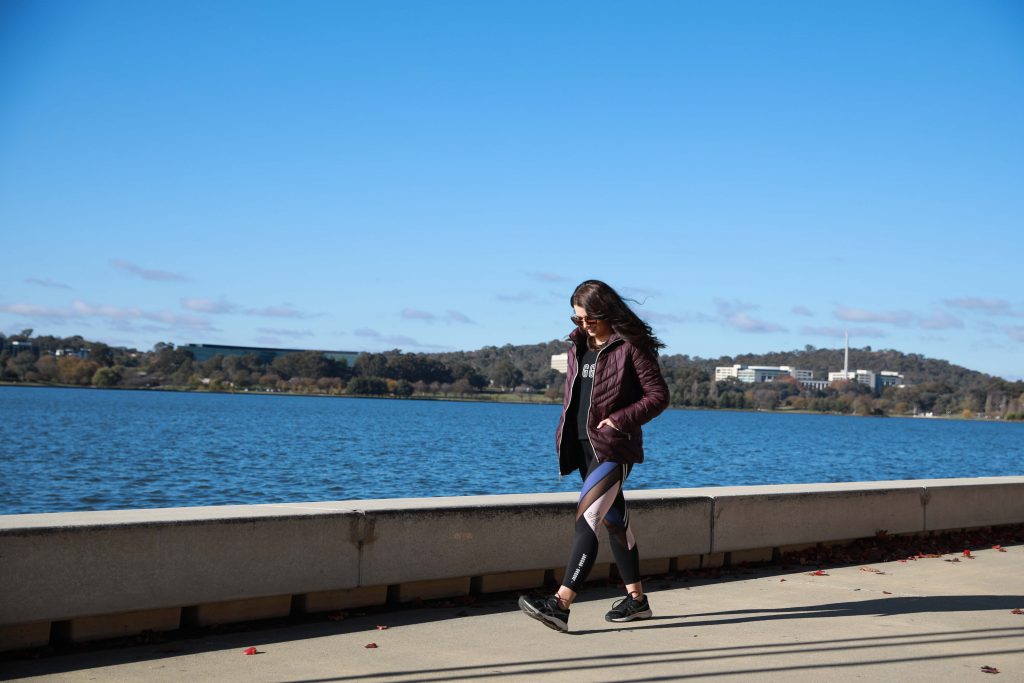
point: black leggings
(601, 500)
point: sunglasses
(587, 319)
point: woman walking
(613, 385)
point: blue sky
(439, 175)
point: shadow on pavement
(880, 607)
(621, 663)
(619, 666)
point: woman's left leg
(624, 548)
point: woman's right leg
(602, 487)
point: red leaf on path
(250, 651)
(371, 645)
(990, 669)
(999, 548)
(817, 573)
(1017, 611)
(382, 628)
(967, 553)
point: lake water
(81, 449)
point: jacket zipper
(591, 405)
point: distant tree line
(933, 386)
(77, 362)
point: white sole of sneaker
(546, 619)
(646, 614)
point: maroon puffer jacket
(628, 388)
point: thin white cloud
(989, 306)
(664, 318)
(802, 310)
(33, 311)
(457, 317)
(549, 277)
(1016, 333)
(860, 315)
(104, 311)
(393, 341)
(941, 320)
(838, 332)
(46, 282)
(415, 314)
(449, 316)
(133, 326)
(200, 305)
(734, 314)
(147, 273)
(517, 297)
(744, 323)
(291, 334)
(81, 310)
(283, 311)
(730, 307)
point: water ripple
(68, 449)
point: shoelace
(627, 602)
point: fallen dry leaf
(872, 570)
(250, 651)
(1017, 611)
(999, 548)
(817, 573)
(967, 553)
(781, 580)
(381, 628)
(955, 559)
(371, 645)
(990, 669)
(886, 593)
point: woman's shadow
(879, 607)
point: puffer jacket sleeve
(654, 389)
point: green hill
(933, 386)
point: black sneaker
(547, 611)
(628, 609)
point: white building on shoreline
(754, 374)
(560, 362)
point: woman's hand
(607, 421)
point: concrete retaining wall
(81, 576)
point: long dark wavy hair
(601, 301)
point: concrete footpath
(928, 619)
